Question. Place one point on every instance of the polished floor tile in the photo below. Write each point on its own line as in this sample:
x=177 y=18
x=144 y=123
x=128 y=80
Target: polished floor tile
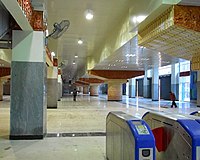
x=76 y=130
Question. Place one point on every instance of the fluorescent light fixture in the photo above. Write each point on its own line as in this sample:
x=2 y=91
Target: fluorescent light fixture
x=141 y=18
x=112 y=65
x=144 y=59
x=53 y=54
x=138 y=19
x=89 y=14
x=47 y=32
x=76 y=56
x=124 y=67
x=130 y=55
x=73 y=62
x=80 y=41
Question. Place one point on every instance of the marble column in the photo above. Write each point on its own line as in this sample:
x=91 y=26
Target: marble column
x=85 y=89
x=145 y=85
x=155 y=84
x=115 y=89
x=175 y=70
x=132 y=88
x=6 y=88
x=28 y=81
x=198 y=89
x=52 y=87
x=94 y=89
x=81 y=89
x=59 y=87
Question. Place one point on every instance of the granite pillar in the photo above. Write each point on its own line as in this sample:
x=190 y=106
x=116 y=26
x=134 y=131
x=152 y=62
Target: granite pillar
x=80 y=89
x=6 y=88
x=175 y=70
x=28 y=81
x=52 y=87
x=59 y=96
x=85 y=89
x=145 y=85
x=94 y=89
x=155 y=84
x=132 y=88
x=115 y=90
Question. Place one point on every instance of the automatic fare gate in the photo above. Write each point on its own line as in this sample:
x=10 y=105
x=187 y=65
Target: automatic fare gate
x=128 y=138
x=177 y=136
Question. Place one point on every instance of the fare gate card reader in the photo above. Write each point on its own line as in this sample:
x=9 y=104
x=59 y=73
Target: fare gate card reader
x=144 y=140
x=128 y=138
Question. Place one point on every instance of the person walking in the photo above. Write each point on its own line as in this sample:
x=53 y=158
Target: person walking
x=74 y=94
x=172 y=98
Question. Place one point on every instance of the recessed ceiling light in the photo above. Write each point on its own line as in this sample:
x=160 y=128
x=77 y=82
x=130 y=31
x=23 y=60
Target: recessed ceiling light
x=130 y=55
x=89 y=14
x=73 y=62
x=80 y=41
x=165 y=61
x=76 y=56
x=119 y=60
x=112 y=65
x=124 y=67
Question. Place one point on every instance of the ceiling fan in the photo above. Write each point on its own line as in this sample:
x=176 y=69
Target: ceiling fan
x=59 y=29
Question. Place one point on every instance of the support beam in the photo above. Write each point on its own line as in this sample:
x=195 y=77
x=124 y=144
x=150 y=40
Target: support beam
x=116 y=74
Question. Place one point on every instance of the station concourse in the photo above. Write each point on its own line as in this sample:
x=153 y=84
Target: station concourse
x=119 y=56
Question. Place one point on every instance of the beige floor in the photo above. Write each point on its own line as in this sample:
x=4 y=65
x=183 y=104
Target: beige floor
x=88 y=114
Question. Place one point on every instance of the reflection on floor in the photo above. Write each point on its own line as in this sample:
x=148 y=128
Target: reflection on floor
x=76 y=130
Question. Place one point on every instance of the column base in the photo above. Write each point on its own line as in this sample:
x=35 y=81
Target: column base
x=132 y=97
x=26 y=137
x=52 y=107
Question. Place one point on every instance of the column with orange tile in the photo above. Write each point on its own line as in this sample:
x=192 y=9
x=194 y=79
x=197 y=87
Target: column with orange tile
x=94 y=89
x=115 y=79
x=85 y=89
x=115 y=89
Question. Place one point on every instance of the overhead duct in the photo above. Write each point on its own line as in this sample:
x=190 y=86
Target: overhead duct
x=175 y=32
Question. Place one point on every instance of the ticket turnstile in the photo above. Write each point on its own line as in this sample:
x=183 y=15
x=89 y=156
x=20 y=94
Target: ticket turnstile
x=128 y=138
x=177 y=136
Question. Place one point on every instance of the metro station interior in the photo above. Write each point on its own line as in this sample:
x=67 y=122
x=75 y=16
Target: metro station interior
x=94 y=79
